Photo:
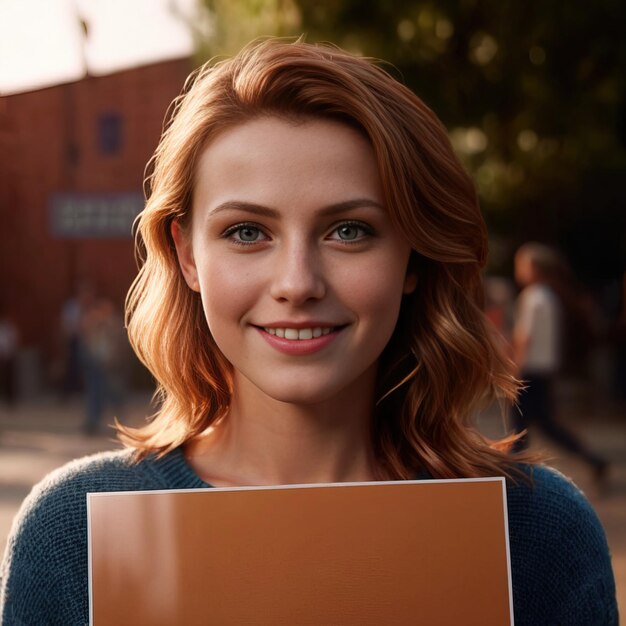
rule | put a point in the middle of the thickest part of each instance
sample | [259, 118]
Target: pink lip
[298, 347]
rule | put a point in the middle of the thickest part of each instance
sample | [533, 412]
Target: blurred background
[533, 95]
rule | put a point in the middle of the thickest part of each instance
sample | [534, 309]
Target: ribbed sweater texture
[560, 561]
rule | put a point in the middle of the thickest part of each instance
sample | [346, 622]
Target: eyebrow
[251, 207]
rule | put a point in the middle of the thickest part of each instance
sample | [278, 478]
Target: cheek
[226, 293]
[377, 290]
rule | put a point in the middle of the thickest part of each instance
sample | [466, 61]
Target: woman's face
[300, 270]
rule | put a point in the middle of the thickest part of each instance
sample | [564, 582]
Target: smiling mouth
[300, 334]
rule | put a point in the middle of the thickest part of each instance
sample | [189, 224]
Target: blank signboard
[388, 553]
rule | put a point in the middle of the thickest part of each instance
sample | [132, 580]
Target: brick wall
[50, 143]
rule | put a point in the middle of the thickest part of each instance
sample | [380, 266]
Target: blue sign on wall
[84, 215]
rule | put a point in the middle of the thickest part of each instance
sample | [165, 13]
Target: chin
[304, 395]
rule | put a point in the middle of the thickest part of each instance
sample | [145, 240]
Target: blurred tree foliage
[533, 94]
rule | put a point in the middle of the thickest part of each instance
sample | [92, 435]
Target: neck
[263, 441]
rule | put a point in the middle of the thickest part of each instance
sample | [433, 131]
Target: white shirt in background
[538, 318]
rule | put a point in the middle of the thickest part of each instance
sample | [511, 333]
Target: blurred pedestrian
[9, 344]
[100, 345]
[499, 303]
[537, 349]
[71, 320]
[617, 339]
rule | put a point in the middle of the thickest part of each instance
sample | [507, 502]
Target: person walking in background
[71, 320]
[617, 339]
[100, 342]
[9, 343]
[537, 349]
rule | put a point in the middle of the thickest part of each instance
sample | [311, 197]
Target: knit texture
[561, 567]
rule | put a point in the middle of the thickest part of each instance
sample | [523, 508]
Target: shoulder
[60, 498]
[106, 471]
[549, 512]
[546, 487]
[44, 571]
[559, 555]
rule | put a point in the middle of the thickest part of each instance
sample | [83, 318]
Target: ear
[410, 283]
[184, 251]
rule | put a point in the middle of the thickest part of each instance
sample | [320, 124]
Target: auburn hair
[443, 361]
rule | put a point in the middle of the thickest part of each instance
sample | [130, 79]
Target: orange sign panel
[388, 553]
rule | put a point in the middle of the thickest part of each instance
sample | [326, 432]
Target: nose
[298, 275]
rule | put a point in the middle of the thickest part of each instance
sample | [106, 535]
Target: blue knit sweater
[560, 561]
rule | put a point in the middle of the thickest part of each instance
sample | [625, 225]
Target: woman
[310, 303]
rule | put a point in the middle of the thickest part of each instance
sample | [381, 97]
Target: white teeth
[298, 333]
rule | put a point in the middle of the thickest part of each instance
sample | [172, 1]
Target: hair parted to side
[442, 361]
